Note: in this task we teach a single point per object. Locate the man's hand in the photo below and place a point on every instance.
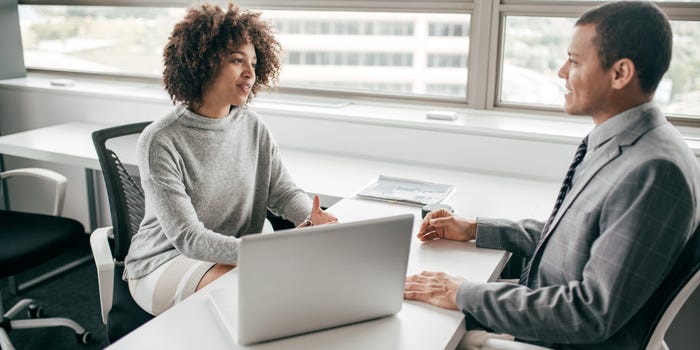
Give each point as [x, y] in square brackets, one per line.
[443, 224]
[436, 288]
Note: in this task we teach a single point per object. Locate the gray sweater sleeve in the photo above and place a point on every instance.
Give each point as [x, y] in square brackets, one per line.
[286, 199]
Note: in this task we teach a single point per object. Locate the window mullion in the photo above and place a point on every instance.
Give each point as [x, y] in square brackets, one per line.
[682, 12]
[495, 46]
[479, 47]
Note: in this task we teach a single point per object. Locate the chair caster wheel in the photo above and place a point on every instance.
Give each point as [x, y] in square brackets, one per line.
[34, 311]
[83, 338]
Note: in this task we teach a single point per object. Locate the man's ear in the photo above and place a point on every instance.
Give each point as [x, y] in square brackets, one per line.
[623, 73]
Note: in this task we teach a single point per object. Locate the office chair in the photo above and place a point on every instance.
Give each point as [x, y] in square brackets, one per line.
[28, 240]
[120, 312]
[658, 312]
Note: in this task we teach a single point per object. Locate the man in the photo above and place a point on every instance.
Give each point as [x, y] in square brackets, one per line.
[624, 212]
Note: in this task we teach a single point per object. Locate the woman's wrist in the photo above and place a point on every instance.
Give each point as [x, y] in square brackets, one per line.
[307, 222]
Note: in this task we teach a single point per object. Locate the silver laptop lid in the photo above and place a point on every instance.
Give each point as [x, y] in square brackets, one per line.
[310, 279]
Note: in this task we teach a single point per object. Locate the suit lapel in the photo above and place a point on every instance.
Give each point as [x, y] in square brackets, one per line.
[643, 122]
[611, 151]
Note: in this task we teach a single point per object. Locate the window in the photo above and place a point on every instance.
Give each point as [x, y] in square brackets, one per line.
[448, 29]
[446, 89]
[443, 60]
[124, 40]
[534, 40]
[100, 39]
[679, 91]
[479, 54]
[535, 49]
[385, 52]
[325, 58]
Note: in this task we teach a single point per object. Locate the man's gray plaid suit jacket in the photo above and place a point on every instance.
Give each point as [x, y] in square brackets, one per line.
[632, 206]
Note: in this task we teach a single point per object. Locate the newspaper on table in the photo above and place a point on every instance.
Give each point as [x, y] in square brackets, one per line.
[408, 191]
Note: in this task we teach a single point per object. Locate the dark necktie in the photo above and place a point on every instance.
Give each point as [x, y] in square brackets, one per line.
[565, 187]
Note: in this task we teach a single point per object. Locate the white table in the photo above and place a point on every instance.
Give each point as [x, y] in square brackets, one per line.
[69, 143]
[193, 322]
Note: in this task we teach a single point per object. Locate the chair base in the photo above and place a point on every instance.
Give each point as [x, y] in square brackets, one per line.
[7, 324]
[5, 343]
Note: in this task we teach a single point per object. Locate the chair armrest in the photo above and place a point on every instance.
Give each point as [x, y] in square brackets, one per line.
[502, 344]
[267, 227]
[99, 243]
[46, 174]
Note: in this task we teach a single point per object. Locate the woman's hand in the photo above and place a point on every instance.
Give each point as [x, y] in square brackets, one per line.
[318, 216]
[443, 224]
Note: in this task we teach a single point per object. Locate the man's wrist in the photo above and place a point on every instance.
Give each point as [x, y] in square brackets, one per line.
[471, 230]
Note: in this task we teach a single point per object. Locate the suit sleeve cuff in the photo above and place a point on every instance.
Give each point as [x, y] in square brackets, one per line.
[487, 233]
[467, 295]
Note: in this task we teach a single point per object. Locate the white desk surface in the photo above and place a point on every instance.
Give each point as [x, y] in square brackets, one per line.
[69, 143]
[193, 324]
[194, 321]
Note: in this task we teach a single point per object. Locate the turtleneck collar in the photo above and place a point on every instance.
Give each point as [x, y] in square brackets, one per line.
[195, 120]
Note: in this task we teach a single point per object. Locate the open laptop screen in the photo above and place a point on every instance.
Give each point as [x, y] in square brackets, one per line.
[304, 280]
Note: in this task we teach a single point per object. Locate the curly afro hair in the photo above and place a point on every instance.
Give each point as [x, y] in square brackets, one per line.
[198, 44]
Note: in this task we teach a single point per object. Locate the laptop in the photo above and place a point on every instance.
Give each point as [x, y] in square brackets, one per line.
[305, 280]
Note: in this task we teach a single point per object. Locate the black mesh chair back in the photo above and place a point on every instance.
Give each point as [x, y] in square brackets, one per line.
[126, 198]
[126, 203]
[682, 272]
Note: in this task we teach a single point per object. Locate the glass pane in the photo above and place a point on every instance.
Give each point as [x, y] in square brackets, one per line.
[535, 48]
[679, 90]
[96, 38]
[406, 53]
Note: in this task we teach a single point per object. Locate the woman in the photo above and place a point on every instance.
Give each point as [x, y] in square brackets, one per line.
[210, 169]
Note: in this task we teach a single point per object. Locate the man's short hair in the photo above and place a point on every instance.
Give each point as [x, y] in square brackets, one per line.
[636, 30]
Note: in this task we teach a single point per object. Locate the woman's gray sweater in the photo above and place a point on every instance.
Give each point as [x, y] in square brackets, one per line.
[208, 182]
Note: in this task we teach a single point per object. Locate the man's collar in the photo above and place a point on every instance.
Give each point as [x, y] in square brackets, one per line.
[624, 122]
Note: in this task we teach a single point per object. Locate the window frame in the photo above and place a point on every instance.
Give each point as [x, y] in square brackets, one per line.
[486, 42]
[683, 11]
